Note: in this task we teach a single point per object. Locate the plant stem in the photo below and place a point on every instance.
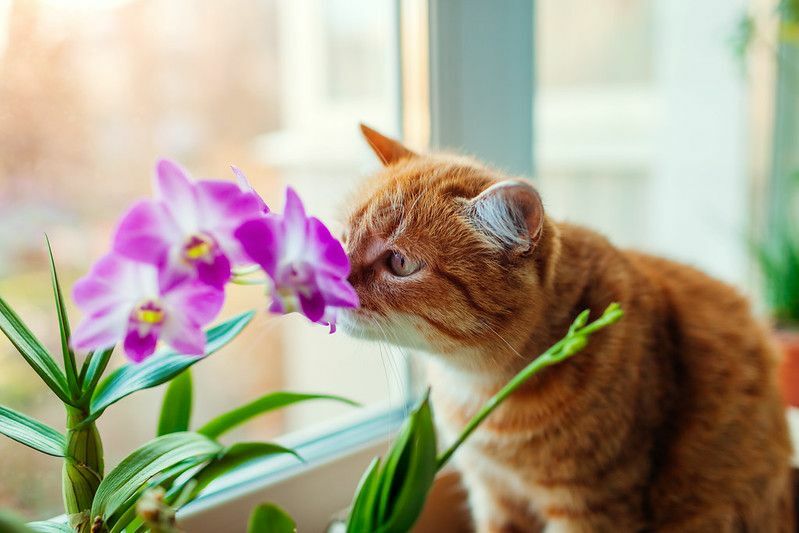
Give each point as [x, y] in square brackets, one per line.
[574, 341]
[83, 469]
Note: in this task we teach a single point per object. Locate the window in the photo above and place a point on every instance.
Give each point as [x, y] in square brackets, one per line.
[640, 126]
[92, 92]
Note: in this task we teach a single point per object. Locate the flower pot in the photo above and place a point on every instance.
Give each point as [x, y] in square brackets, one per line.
[788, 341]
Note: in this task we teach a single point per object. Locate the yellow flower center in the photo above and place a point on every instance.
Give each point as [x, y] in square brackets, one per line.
[150, 313]
[198, 247]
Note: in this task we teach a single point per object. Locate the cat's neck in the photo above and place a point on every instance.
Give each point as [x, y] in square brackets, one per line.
[570, 281]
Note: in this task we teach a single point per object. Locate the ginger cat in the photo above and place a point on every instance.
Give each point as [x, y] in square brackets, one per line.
[669, 421]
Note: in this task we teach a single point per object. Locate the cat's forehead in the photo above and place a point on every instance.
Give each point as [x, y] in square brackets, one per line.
[418, 185]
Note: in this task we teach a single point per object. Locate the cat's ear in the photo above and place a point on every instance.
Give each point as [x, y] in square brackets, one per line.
[511, 213]
[387, 149]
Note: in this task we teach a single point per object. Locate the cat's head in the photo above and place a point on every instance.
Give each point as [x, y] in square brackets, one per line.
[444, 252]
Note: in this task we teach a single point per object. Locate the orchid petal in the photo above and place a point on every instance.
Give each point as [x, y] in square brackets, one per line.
[183, 335]
[262, 240]
[312, 305]
[332, 256]
[337, 292]
[215, 273]
[108, 284]
[223, 204]
[145, 232]
[244, 185]
[295, 227]
[102, 330]
[197, 302]
[177, 191]
[139, 347]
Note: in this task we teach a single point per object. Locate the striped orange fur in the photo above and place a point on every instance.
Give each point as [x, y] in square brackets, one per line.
[669, 421]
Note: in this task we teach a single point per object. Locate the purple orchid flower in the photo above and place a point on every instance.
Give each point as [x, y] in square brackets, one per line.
[188, 231]
[123, 300]
[307, 266]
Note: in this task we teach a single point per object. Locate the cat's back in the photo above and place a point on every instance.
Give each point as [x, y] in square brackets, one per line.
[726, 406]
[721, 352]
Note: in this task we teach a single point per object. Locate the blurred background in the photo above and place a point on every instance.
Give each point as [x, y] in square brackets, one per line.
[653, 122]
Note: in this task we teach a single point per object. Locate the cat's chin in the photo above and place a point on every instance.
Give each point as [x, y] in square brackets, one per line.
[399, 330]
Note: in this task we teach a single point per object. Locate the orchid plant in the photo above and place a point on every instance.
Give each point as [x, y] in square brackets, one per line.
[155, 294]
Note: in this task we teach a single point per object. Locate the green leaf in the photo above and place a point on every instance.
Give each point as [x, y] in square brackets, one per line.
[362, 514]
[63, 327]
[235, 456]
[49, 527]
[161, 367]
[269, 518]
[391, 480]
[92, 370]
[176, 407]
[411, 485]
[264, 404]
[11, 524]
[126, 514]
[30, 432]
[32, 350]
[150, 460]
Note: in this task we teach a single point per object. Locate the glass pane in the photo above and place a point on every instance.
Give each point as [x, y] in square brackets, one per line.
[640, 120]
[93, 92]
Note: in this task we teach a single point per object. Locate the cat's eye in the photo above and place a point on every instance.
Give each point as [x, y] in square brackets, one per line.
[401, 266]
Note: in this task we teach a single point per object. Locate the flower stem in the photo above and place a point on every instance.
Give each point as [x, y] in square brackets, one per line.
[83, 469]
[574, 341]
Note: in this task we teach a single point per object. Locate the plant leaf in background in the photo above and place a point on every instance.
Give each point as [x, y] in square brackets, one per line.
[269, 518]
[32, 433]
[150, 460]
[234, 456]
[11, 524]
[779, 262]
[34, 353]
[176, 407]
[161, 367]
[67, 354]
[227, 421]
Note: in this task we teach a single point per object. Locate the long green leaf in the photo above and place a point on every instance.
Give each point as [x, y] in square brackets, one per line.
[92, 370]
[410, 487]
[362, 514]
[126, 513]
[30, 432]
[227, 421]
[50, 527]
[32, 350]
[235, 456]
[269, 518]
[63, 327]
[176, 407]
[150, 460]
[161, 367]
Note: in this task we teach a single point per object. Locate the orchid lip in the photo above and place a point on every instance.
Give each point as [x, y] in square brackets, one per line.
[149, 313]
[199, 247]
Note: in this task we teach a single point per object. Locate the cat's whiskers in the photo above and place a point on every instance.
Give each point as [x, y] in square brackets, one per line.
[500, 337]
[387, 343]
